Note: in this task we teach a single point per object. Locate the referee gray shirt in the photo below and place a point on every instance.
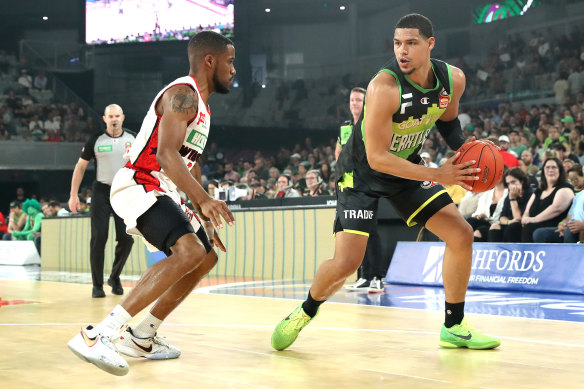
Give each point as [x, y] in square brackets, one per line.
[108, 153]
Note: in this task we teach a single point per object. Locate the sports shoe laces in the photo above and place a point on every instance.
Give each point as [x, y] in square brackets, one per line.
[160, 340]
[296, 323]
[465, 325]
[107, 342]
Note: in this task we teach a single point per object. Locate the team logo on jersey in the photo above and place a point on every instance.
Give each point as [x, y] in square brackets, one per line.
[201, 119]
[424, 100]
[443, 92]
[128, 146]
[444, 100]
[428, 184]
[407, 103]
[197, 139]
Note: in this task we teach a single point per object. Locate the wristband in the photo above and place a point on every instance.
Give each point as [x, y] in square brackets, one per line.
[512, 199]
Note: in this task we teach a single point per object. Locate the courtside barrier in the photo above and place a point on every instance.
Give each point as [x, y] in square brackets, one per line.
[557, 268]
[18, 252]
[265, 243]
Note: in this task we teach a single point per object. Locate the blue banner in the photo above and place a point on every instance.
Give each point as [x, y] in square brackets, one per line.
[528, 267]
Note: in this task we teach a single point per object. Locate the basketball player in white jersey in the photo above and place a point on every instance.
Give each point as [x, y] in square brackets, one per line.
[144, 193]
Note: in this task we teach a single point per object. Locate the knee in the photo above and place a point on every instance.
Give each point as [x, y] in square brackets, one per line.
[539, 236]
[462, 236]
[348, 263]
[209, 262]
[496, 226]
[189, 254]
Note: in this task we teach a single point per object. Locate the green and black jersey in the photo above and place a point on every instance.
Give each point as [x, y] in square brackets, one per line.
[345, 132]
[418, 110]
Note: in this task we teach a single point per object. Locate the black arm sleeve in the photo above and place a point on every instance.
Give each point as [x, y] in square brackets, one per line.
[451, 132]
[88, 151]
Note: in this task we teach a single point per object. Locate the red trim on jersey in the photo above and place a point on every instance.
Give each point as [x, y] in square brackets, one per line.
[148, 181]
[146, 160]
[146, 163]
[180, 83]
[199, 92]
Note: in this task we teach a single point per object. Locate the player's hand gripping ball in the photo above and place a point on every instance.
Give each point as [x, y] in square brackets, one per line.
[487, 158]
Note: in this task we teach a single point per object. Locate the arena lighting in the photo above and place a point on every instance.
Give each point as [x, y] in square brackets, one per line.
[268, 10]
[45, 18]
[342, 7]
[527, 6]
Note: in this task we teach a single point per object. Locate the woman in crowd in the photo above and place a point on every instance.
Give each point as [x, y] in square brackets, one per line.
[325, 171]
[285, 188]
[489, 208]
[550, 203]
[508, 228]
[576, 143]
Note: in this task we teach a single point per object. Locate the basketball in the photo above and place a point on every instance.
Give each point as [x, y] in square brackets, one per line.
[487, 158]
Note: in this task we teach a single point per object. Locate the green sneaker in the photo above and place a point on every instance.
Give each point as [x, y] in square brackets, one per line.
[464, 335]
[287, 331]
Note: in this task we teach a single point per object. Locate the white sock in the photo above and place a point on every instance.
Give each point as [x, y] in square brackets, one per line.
[147, 327]
[112, 324]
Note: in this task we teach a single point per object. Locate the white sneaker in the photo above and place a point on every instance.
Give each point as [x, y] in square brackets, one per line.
[149, 348]
[98, 349]
[376, 286]
[361, 284]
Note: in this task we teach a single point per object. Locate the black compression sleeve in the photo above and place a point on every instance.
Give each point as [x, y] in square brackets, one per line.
[451, 132]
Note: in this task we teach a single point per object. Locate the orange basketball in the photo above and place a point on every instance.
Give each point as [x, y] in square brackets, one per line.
[487, 158]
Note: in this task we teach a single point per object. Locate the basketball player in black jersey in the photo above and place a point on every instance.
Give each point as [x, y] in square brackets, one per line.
[381, 160]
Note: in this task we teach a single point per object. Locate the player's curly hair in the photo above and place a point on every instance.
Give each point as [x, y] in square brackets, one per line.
[422, 23]
[207, 42]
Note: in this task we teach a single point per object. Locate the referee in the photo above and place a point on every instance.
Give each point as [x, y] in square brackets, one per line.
[107, 150]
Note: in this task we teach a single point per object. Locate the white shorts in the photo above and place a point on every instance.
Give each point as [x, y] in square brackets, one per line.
[130, 200]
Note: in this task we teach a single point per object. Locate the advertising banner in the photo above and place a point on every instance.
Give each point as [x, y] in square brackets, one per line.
[525, 267]
[18, 252]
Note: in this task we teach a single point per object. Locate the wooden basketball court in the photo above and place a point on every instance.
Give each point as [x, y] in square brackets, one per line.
[225, 343]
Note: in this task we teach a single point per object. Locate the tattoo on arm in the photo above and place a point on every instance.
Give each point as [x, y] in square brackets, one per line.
[183, 101]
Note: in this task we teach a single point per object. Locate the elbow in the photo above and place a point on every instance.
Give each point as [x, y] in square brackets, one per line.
[374, 161]
[162, 158]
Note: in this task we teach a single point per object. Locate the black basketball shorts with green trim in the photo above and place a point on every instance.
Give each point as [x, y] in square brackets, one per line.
[414, 201]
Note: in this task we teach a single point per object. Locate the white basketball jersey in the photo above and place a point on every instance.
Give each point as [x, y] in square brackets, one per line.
[142, 155]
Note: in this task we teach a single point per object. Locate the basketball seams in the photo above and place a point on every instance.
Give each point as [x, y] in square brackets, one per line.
[494, 175]
[479, 162]
[480, 157]
[461, 158]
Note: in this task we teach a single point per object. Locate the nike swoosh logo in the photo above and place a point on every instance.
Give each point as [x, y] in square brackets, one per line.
[465, 337]
[88, 341]
[146, 349]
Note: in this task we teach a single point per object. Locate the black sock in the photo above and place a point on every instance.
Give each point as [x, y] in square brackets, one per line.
[310, 305]
[454, 313]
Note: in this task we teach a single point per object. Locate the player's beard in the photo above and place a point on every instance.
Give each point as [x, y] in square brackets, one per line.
[409, 71]
[218, 86]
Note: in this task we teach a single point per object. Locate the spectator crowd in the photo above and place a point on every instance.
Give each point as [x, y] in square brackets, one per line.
[542, 144]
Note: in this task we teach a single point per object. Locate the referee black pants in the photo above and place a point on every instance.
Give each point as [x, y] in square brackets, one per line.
[101, 210]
